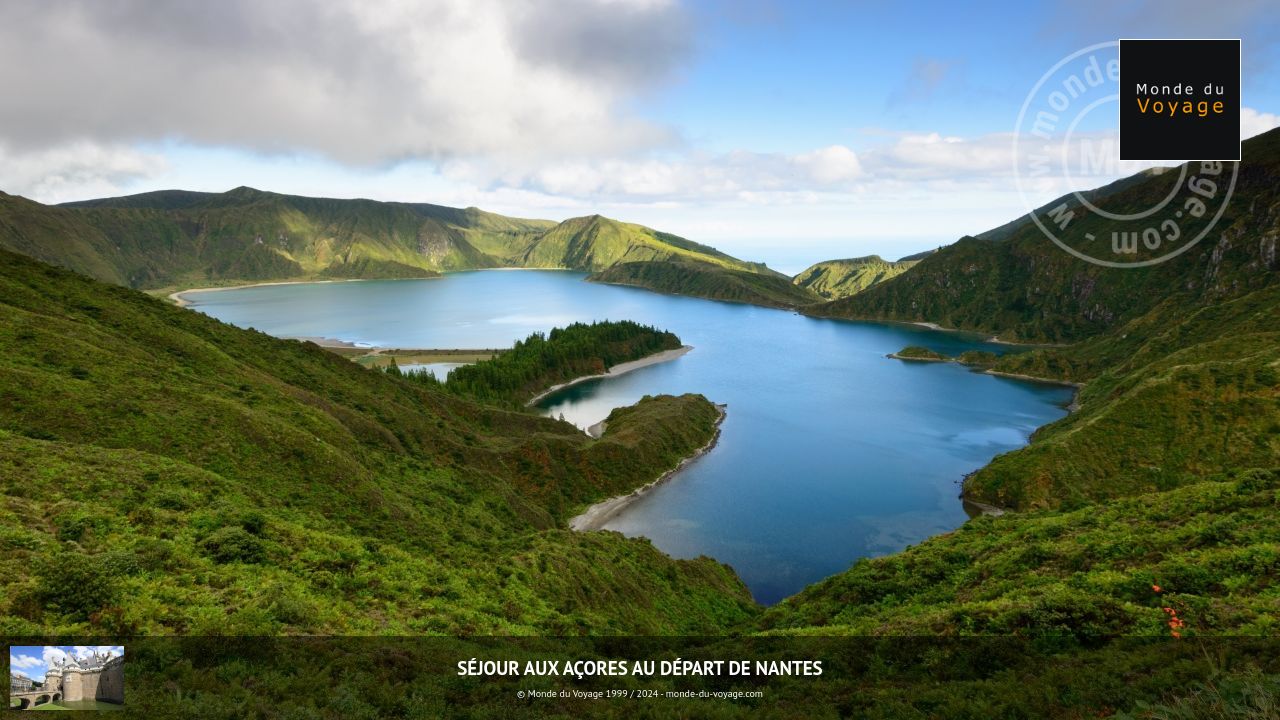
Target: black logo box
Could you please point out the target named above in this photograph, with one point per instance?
(1185, 67)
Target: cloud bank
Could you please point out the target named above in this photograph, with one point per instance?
(362, 83)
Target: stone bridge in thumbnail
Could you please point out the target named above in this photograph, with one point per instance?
(28, 699)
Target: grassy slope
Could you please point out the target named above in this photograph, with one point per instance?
(595, 243)
(832, 279)
(1174, 396)
(178, 238)
(1167, 474)
(1179, 360)
(215, 480)
(1025, 288)
(1212, 547)
(705, 280)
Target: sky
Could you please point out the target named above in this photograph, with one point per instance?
(34, 661)
(787, 132)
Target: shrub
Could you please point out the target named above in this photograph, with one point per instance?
(153, 554)
(74, 584)
(233, 544)
(80, 526)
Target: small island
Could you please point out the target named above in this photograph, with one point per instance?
(919, 354)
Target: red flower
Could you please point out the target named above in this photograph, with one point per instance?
(1156, 588)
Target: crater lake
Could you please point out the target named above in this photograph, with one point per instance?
(829, 452)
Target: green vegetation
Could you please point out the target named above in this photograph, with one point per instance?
(916, 352)
(385, 357)
(1014, 283)
(834, 279)
(542, 360)
(699, 279)
(978, 358)
(165, 473)
(1170, 399)
(1166, 477)
(1085, 574)
(175, 239)
(595, 243)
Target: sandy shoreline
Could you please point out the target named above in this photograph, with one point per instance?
(180, 301)
(594, 517)
(177, 297)
(327, 342)
(983, 508)
(990, 338)
(1073, 406)
(616, 370)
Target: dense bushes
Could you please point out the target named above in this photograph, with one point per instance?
(74, 584)
(540, 361)
(233, 544)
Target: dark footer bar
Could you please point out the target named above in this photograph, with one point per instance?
(427, 677)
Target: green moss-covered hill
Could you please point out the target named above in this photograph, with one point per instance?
(161, 472)
(1153, 503)
(1166, 474)
(1087, 574)
(832, 279)
(757, 285)
(179, 238)
(1016, 283)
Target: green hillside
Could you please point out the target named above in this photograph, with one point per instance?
(832, 279)
(1025, 288)
(165, 473)
(1086, 574)
(595, 243)
(1148, 512)
(1171, 398)
(706, 280)
(177, 238)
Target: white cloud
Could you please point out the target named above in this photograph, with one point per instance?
(829, 165)
(53, 654)
(364, 83)
(692, 177)
(25, 662)
(1253, 122)
(75, 170)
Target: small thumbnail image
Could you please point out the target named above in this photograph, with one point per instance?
(66, 677)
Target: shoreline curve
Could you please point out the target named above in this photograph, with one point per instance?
(595, 516)
(616, 370)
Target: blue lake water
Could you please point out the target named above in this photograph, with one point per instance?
(830, 451)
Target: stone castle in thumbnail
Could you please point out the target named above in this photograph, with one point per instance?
(97, 676)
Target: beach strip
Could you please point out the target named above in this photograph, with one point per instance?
(619, 369)
(595, 517)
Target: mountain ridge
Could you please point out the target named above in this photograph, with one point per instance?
(179, 238)
(833, 279)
